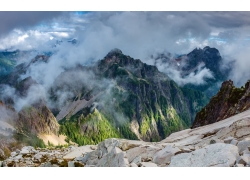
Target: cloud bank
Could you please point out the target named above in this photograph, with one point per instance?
(137, 34)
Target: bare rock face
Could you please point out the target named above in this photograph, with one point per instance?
(229, 101)
(243, 145)
(112, 159)
(78, 152)
(218, 154)
(134, 153)
(148, 164)
(107, 154)
(37, 120)
(238, 129)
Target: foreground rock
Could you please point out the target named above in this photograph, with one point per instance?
(164, 156)
(219, 154)
(30, 157)
(225, 143)
(77, 152)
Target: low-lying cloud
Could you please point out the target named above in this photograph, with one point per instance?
(33, 94)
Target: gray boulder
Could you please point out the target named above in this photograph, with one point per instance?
(164, 156)
(47, 164)
(148, 164)
(218, 154)
(38, 156)
(112, 160)
(234, 142)
(80, 158)
(228, 140)
(13, 154)
(133, 165)
(242, 160)
(243, 145)
(239, 165)
(77, 151)
(135, 152)
(125, 144)
(71, 164)
(17, 158)
(24, 151)
(137, 160)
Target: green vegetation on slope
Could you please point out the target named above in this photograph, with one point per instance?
(91, 129)
(29, 139)
(6, 65)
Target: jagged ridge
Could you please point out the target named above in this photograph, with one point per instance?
(229, 101)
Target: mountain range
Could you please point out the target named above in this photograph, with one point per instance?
(117, 96)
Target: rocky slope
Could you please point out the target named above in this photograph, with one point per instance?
(229, 101)
(225, 143)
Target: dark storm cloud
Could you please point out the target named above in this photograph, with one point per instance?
(20, 19)
(226, 19)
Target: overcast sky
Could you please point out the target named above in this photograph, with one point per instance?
(176, 32)
(138, 34)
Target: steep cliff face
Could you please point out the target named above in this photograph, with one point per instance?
(139, 101)
(229, 101)
(37, 120)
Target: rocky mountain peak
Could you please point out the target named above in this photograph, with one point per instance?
(114, 52)
(227, 84)
(205, 48)
(116, 56)
(115, 63)
(206, 55)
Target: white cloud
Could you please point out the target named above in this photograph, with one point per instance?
(34, 93)
(174, 72)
